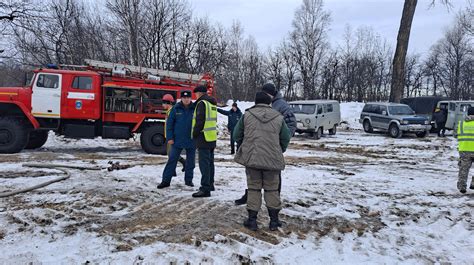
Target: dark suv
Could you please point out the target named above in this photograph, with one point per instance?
(394, 118)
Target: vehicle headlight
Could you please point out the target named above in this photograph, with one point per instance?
(404, 122)
(307, 121)
(427, 122)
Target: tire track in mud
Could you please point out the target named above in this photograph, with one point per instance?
(189, 220)
(174, 219)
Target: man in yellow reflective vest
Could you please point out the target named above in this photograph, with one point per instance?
(465, 134)
(204, 134)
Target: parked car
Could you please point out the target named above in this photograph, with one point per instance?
(393, 118)
(456, 111)
(316, 116)
(424, 106)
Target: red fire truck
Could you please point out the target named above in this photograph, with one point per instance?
(113, 101)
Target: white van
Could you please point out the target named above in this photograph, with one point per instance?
(316, 116)
(456, 111)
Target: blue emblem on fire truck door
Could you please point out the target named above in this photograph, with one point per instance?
(78, 104)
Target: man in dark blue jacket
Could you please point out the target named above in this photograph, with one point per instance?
(178, 133)
(233, 116)
(279, 104)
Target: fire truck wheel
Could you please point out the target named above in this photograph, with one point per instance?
(153, 140)
(37, 139)
(13, 135)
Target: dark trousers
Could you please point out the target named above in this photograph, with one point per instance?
(279, 183)
(441, 128)
(206, 166)
(233, 142)
(173, 157)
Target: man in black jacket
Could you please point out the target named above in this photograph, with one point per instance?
(439, 117)
(204, 134)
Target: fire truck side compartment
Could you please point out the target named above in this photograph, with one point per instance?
(115, 132)
(79, 131)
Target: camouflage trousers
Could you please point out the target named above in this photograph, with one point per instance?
(268, 180)
(465, 162)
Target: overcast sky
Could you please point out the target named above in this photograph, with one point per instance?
(270, 20)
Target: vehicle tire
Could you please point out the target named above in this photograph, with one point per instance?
(36, 139)
(333, 130)
(421, 134)
(13, 135)
(394, 131)
(153, 139)
(318, 133)
(367, 127)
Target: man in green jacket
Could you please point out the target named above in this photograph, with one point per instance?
(465, 134)
(264, 136)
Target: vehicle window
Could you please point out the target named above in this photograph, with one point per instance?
(329, 108)
(367, 108)
(400, 110)
(30, 81)
(82, 82)
(443, 106)
(320, 109)
(48, 81)
(452, 106)
(303, 108)
(381, 109)
(464, 107)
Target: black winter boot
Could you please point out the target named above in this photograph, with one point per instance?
(201, 194)
(163, 185)
(242, 200)
(274, 221)
(251, 222)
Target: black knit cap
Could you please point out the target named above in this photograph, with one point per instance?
(470, 111)
(262, 98)
(200, 88)
(234, 104)
(270, 89)
(186, 94)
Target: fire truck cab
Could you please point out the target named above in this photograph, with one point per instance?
(113, 101)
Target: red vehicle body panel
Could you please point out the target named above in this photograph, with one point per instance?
(92, 101)
(21, 97)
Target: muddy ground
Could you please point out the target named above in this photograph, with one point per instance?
(125, 205)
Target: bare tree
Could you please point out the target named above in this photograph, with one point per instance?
(466, 18)
(309, 42)
(398, 74)
(457, 52)
(275, 66)
(290, 78)
(398, 65)
(12, 13)
(129, 12)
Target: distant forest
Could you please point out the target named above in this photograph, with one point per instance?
(164, 34)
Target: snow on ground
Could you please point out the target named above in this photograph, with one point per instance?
(350, 114)
(351, 198)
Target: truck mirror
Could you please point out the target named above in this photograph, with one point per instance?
(384, 112)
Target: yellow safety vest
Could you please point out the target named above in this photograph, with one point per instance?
(466, 136)
(210, 124)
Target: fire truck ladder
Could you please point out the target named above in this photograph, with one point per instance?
(163, 74)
